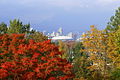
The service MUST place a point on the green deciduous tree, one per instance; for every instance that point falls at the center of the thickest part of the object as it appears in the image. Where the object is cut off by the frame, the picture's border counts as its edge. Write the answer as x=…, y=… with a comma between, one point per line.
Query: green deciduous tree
x=64, y=48
x=37, y=37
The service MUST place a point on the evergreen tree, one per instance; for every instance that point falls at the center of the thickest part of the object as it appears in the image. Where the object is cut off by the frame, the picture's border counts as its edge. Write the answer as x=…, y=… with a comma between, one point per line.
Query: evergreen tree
x=25, y=28
x=114, y=22
x=16, y=26
x=3, y=28
x=80, y=62
x=115, y=75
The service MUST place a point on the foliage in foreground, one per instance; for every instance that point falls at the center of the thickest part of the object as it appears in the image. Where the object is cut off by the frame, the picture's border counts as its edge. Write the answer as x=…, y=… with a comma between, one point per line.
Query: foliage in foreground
x=28, y=60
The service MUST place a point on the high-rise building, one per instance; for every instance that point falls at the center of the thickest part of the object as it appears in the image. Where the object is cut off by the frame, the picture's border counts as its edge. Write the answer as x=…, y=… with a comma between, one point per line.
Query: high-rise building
x=60, y=31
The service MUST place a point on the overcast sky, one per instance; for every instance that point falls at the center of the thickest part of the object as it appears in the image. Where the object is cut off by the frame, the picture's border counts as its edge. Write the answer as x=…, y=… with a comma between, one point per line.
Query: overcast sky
x=71, y=15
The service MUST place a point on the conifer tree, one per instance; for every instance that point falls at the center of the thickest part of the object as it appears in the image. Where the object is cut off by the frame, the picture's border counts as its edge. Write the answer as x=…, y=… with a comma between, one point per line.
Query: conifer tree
x=16, y=26
x=114, y=22
x=80, y=62
x=3, y=28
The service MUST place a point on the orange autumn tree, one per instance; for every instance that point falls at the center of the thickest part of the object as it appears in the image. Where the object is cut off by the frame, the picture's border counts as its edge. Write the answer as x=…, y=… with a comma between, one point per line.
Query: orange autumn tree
x=28, y=60
x=95, y=43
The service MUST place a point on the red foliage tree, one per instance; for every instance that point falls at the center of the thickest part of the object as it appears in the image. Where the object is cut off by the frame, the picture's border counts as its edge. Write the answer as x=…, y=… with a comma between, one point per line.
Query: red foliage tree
x=28, y=60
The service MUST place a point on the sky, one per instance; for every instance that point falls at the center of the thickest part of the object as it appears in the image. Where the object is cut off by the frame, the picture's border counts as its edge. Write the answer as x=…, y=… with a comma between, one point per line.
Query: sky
x=49, y=15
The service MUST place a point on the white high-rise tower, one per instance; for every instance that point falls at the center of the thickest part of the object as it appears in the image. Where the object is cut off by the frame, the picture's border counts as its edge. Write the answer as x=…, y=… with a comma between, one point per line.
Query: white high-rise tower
x=60, y=31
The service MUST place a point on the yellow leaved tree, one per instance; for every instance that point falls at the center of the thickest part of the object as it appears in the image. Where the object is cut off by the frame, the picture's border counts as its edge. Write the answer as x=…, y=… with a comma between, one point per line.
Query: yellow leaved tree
x=114, y=48
x=95, y=43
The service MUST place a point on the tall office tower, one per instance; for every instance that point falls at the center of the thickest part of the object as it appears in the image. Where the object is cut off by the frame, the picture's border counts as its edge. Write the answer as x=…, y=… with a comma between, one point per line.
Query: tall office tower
x=60, y=31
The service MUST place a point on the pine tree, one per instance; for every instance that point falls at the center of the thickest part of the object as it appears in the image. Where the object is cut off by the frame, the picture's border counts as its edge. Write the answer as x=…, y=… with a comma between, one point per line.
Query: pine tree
x=16, y=26
x=80, y=62
x=114, y=22
x=3, y=28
